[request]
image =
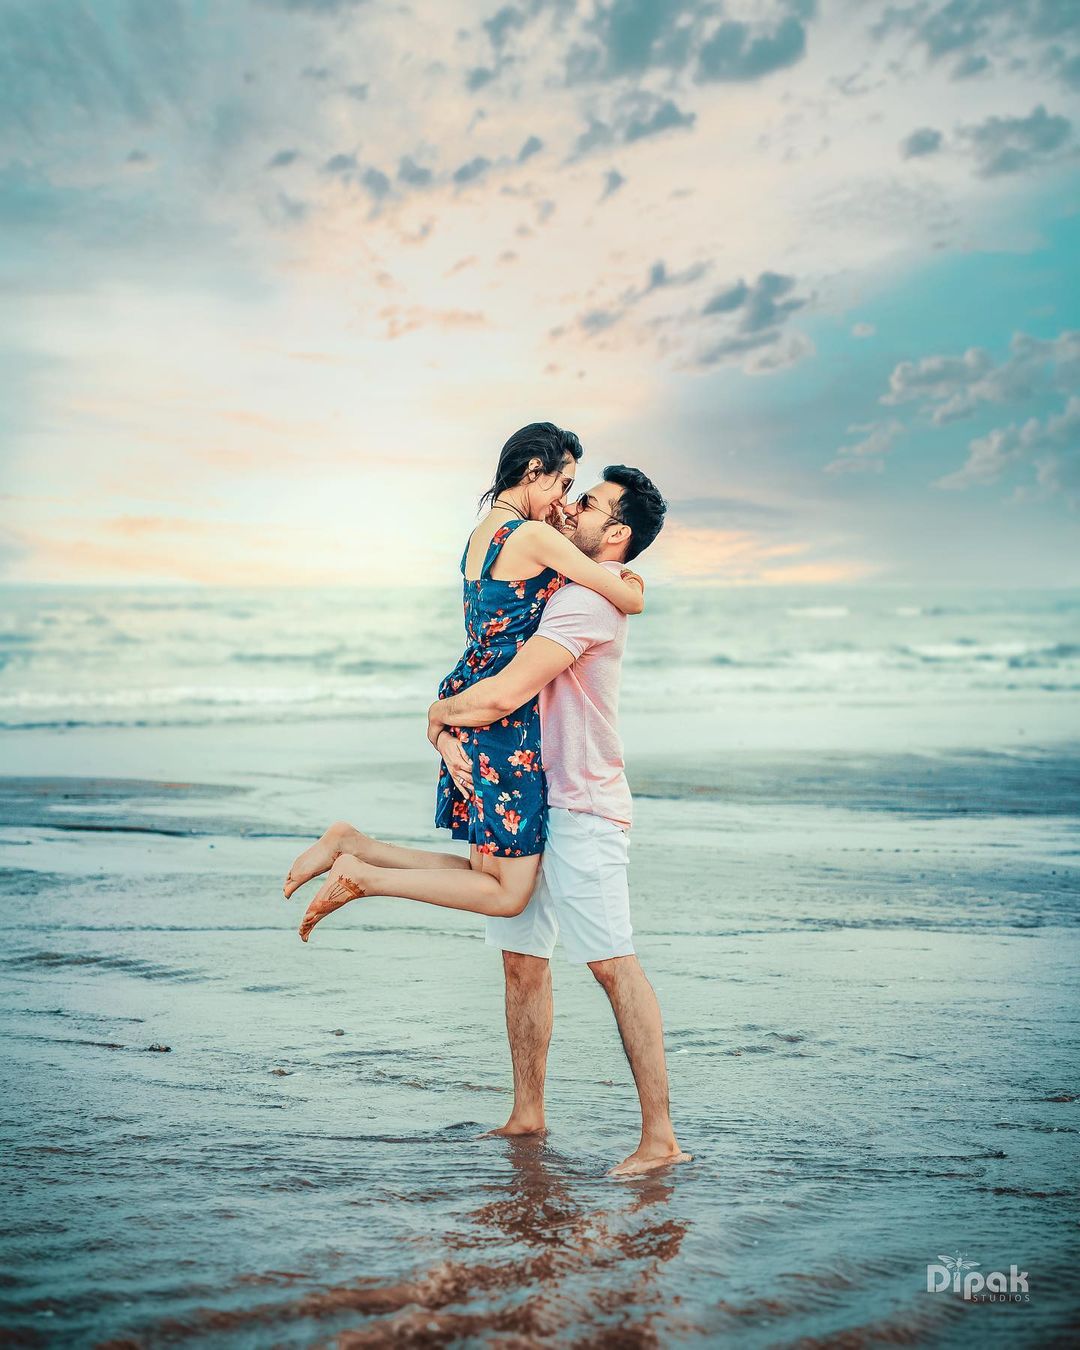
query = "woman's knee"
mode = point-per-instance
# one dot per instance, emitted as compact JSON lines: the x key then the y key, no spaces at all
{"x":514,"y":904}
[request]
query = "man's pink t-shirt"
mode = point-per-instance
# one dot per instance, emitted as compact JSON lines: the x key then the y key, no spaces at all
{"x":580,"y":745}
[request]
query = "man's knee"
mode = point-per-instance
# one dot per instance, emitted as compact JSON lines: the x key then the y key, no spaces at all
{"x":521,"y":968}
{"x":611,"y":969}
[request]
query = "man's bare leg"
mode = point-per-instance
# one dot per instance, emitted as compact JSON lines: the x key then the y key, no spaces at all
{"x":637,"y":1014}
{"x":342,"y":837}
{"x":528,"y":1027}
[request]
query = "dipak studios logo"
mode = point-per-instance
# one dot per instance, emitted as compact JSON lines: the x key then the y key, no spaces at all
{"x":961,"y":1276}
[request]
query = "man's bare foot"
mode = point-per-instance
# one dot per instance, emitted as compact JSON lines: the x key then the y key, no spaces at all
{"x":320,"y":857}
{"x":349,"y":878}
{"x":515,"y":1127}
{"x":644,"y":1160}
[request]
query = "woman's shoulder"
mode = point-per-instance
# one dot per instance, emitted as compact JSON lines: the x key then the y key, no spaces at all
{"x":533,"y":532}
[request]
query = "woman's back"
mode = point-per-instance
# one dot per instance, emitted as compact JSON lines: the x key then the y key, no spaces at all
{"x":502,"y":615}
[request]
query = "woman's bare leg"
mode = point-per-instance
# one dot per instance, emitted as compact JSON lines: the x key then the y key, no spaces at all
{"x":497,"y":886}
{"x":342,"y":837}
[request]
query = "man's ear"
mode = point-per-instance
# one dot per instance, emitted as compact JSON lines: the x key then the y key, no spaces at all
{"x":621,"y":535}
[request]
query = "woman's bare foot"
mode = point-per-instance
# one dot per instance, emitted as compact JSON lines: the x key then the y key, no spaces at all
{"x":320,"y":857}
{"x":349,"y":878}
{"x":644,"y":1160}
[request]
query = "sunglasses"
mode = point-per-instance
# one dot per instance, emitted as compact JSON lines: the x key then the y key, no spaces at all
{"x":586,"y":503}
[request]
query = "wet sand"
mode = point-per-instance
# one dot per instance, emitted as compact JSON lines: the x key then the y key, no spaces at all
{"x":866,"y":961}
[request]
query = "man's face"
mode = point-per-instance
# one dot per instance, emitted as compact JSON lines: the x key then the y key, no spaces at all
{"x":589,"y":517}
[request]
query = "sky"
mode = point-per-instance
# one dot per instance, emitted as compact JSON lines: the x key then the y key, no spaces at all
{"x":281,"y":276}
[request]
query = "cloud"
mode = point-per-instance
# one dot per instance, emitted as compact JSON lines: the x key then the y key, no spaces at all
{"x":376,"y":182}
{"x":613,"y":180}
{"x":635,"y":115}
{"x":664,"y":117}
{"x":633,"y":35}
{"x":1021,"y":36}
{"x":970,"y":65}
{"x":924,"y":141}
{"x":478,"y":77}
{"x":723,"y":302}
{"x":1004,"y":145}
{"x":760,"y":309}
{"x":660,"y":278}
{"x":1053,"y":445}
{"x":502,"y":23}
{"x":324,"y":8}
{"x":532,"y":146}
{"x":596,"y":134}
{"x":471,"y":171}
{"x":283,"y":159}
{"x":1064,"y":64}
{"x":598,"y":320}
{"x":863,"y":330}
{"x":624,"y":40}
{"x":413,"y":174}
{"x":869,"y":453}
{"x":949,"y":388}
{"x":340,"y":164}
{"x":403,"y":320}
{"x":737,"y":51}
{"x":944,"y":27}
{"x":761,"y":303}
{"x":288,"y":210}
{"x":953,"y":387}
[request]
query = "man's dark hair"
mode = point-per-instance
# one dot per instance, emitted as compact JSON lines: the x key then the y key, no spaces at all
{"x":539,"y":440}
{"x":640,"y":506}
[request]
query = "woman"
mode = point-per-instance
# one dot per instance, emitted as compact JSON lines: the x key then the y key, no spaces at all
{"x":513,"y":562}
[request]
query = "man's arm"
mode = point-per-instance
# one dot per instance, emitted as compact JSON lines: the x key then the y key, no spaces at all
{"x":535,"y":665}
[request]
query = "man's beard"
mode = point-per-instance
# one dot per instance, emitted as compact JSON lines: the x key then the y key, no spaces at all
{"x":580,"y":539}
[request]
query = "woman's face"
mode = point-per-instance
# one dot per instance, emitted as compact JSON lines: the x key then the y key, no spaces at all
{"x":549,"y":488}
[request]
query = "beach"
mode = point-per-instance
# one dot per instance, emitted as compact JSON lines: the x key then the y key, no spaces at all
{"x":854,"y":888}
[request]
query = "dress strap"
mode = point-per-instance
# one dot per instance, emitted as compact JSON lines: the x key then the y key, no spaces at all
{"x":501,"y":535}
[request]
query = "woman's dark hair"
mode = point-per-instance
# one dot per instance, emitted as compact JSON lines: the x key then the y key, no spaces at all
{"x":539,"y":440}
{"x":640,"y":506}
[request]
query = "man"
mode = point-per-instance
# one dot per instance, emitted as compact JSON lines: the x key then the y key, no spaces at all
{"x":574,"y":662}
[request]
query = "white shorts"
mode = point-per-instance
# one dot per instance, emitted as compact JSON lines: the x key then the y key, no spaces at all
{"x":582,"y":893}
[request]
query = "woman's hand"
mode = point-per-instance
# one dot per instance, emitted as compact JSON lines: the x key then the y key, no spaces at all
{"x":436,"y":722}
{"x":458,"y":764}
{"x":638,"y":583}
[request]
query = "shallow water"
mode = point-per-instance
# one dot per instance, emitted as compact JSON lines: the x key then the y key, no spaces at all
{"x":870,"y":1020}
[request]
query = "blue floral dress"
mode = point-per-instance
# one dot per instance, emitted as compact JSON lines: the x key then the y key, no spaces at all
{"x":507,"y":814}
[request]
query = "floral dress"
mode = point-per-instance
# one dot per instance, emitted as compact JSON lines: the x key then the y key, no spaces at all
{"x":507,"y":814}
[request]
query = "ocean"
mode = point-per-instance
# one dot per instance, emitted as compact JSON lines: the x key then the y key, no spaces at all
{"x":74,"y":656}
{"x":854,"y":888}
